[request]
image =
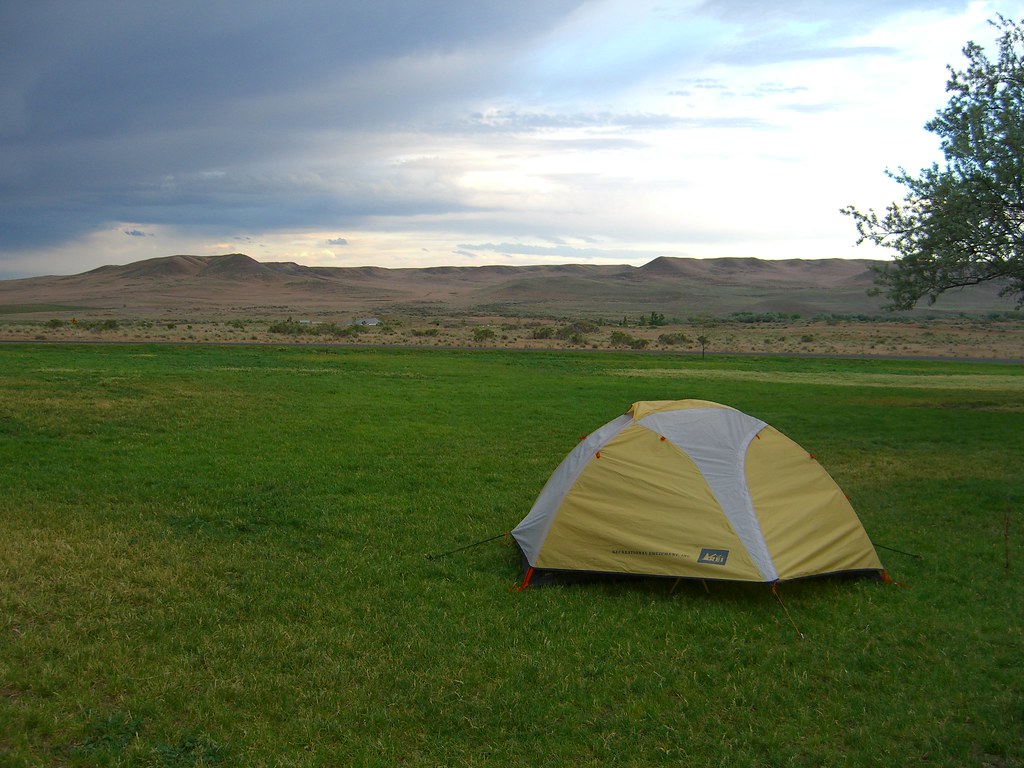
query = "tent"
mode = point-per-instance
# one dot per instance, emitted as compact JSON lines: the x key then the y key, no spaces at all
{"x":691,"y":489}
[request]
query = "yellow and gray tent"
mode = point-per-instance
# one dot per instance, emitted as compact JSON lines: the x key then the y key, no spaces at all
{"x":691,"y":489}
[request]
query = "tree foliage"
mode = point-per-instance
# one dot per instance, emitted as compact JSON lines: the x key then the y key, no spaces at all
{"x":962,"y":223}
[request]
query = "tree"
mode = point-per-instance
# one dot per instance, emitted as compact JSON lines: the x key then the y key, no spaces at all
{"x":703,"y":341}
{"x":963,"y":223}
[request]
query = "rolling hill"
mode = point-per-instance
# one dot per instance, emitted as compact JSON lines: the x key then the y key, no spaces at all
{"x":238,"y":284}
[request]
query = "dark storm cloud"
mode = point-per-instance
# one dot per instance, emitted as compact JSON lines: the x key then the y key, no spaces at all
{"x":98,"y":66}
{"x":119,"y":111}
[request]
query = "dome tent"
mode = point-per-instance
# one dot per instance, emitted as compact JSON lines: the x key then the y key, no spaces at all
{"x":691,"y":489}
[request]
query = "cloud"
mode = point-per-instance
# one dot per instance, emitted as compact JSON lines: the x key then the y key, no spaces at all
{"x":560,"y":252}
{"x":637,"y":124}
{"x":508,"y":122}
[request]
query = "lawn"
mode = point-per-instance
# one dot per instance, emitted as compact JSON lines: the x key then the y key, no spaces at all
{"x":218,"y":556}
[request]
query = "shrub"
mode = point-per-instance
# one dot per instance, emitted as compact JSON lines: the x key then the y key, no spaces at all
{"x":583,"y":326}
{"x":621,"y":339}
{"x":338,"y":331}
{"x":99,"y":325}
{"x":287,"y":327}
{"x":763,"y":317}
{"x":654,"y":319}
{"x":576,"y":329}
{"x":672,"y":339}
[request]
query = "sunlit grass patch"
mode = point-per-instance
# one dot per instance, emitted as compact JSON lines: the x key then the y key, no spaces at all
{"x":914,"y":379}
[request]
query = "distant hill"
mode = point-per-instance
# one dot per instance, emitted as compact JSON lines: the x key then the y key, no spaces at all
{"x":676,"y":287}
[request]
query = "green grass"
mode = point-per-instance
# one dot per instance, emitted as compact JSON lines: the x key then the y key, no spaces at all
{"x":216,"y":556}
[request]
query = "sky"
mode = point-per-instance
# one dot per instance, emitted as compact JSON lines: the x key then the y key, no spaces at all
{"x":410,"y":133}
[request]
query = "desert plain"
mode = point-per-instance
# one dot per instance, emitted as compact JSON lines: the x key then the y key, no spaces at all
{"x":690,"y":306}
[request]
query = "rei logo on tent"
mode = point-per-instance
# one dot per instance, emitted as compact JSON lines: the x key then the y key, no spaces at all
{"x":676,"y":475}
{"x":713,"y":556}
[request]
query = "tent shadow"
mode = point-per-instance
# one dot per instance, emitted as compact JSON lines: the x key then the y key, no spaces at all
{"x":721,"y":591}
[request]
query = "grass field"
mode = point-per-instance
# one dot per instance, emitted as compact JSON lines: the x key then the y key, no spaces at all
{"x":217,"y":556}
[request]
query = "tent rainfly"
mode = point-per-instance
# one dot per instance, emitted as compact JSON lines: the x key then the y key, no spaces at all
{"x":691,"y":489}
